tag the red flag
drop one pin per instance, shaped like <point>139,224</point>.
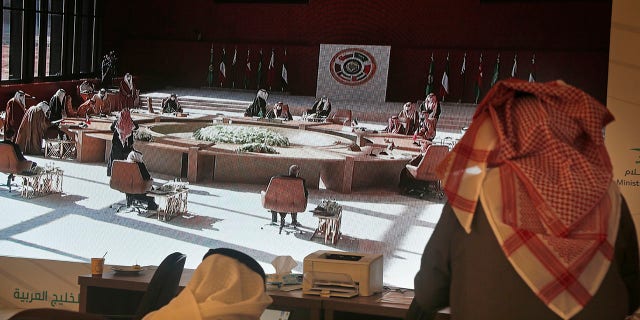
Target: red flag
<point>444,88</point>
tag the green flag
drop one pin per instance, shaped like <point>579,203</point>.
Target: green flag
<point>479,80</point>
<point>210,76</point>
<point>430,88</point>
<point>496,71</point>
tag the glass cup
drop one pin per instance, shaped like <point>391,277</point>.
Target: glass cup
<point>97,267</point>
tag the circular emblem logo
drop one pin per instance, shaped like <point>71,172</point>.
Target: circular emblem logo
<point>353,66</point>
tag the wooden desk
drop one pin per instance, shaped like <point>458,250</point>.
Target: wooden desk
<point>117,294</point>
<point>170,204</point>
<point>300,306</point>
<point>47,182</point>
<point>364,305</point>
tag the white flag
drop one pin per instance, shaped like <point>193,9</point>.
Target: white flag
<point>445,78</point>
<point>532,73</point>
<point>272,62</point>
<point>235,56</point>
<point>284,74</point>
<point>223,69</point>
<point>284,69</point>
<point>445,82</point>
<point>248,61</point>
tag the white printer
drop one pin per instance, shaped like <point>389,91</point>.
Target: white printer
<point>342,274</point>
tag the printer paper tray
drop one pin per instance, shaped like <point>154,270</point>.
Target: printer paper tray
<point>332,293</point>
<point>334,284</point>
<point>334,289</point>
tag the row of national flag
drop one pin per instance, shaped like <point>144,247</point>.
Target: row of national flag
<point>232,74</point>
<point>444,93</point>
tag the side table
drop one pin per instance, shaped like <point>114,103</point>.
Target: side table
<point>329,226</point>
<point>39,184</point>
<point>170,203</point>
<point>60,149</point>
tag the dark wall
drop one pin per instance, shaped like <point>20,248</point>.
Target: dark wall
<point>157,40</point>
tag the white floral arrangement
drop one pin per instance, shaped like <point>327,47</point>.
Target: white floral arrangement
<point>256,147</point>
<point>241,135</point>
<point>142,135</point>
<point>330,206</point>
<point>49,167</point>
<point>38,170</point>
<point>174,186</point>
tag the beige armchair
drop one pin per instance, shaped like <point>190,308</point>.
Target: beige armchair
<point>126,178</point>
<point>425,170</point>
<point>341,116</point>
<point>9,163</point>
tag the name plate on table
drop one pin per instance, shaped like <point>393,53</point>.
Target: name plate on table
<point>269,120</point>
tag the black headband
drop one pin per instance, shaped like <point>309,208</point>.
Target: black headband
<point>243,258</point>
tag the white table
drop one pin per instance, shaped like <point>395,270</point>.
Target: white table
<point>40,184</point>
<point>170,203</point>
<point>329,226</point>
<point>60,149</point>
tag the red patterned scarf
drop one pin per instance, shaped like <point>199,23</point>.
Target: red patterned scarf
<point>535,155</point>
<point>124,126</point>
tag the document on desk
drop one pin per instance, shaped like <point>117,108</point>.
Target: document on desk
<point>396,297</point>
<point>270,314</point>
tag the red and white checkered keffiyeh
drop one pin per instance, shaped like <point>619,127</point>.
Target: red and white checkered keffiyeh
<point>125,126</point>
<point>535,155</point>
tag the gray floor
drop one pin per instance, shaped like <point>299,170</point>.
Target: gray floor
<point>79,223</point>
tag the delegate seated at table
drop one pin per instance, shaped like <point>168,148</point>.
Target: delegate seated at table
<point>394,126</point>
<point>258,108</point>
<point>427,127</point>
<point>19,156</point>
<point>432,106</point>
<point>99,102</point>
<point>16,149</point>
<point>171,104</point>
<point>280,111</point>
<point>86,90</point>
<point>407,181</point>
<point>409,118</point>
<point>321,108</point>
<point>136,156</point>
